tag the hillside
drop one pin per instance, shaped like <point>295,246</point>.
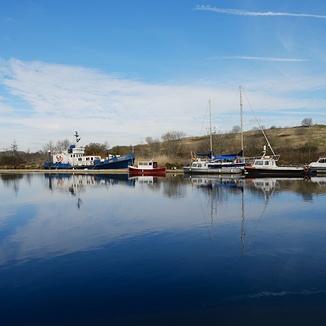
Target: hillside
<point>297,145</point>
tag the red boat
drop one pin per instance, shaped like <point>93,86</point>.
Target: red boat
<point>147,168</point>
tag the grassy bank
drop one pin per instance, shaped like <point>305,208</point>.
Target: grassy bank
<point>296,146</point>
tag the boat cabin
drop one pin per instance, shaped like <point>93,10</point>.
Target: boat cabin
<point>265,162</point>
<point>147,165</point>
<point>322,160</point>
<point>199,164</point>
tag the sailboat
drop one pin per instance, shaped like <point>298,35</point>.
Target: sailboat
<point>220,164</point>
<point>266,165</point>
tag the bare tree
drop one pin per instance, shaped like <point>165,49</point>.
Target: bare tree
<point>173,135</point>
<point>97,149</point>
<point>236,129</point>
<point>306,122</point>
<point>154,145</point>
<point>14,147</point>
<point>59,146</point>
<point>172,141</point>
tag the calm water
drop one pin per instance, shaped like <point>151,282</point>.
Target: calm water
<point>108,250</point>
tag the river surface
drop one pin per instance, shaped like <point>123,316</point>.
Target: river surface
<point>113,250</point>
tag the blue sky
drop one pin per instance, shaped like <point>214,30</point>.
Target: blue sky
<point>121,71</point>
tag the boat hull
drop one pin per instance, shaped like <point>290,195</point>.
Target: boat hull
<point>140,171</point>
<point>207,170</point>
<point>318,167</point>
<point>317,170</point>
<point>116,163</point>
<point>276,172</point>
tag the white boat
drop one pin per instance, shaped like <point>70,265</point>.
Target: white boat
<point>266,166</point>
<point>319,166</point>
<point>220,164</point>
<point>74,158</point>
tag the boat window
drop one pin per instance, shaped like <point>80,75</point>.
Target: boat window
<point>259,163</point>
<point>266,162</point>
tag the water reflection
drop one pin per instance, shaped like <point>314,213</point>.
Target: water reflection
<point>159,245</point>
<point>114,206</point>
<point>78,182</point>
<point>11,181</point>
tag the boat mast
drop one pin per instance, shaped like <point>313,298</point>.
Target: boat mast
<point>210,130</point>
<point>241,120</point>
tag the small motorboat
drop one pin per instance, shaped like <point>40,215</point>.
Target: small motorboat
<point>318,166</point>
<point>147,168</point>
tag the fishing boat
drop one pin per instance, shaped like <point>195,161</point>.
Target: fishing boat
<point>74,158</point>
<point>219,164</point>
<point>266,166</point>
<point>319,166</point>
<point>146,168</point>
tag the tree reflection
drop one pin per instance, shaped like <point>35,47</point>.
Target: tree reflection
<point>11,181</point>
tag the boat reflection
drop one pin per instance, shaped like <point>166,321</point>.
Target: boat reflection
<point>306,187</point>
<point>320,181</point>
<point>266,188</point>
<point>230,199</point>
<point>235,212</point>
<point>76,184</point>
<point>219,190</point>
<point>149,181</point>
<point>231,181</point>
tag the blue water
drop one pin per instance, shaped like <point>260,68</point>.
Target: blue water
<point>108,250</point>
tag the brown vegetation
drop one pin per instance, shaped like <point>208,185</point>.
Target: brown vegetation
<point>297,145</point>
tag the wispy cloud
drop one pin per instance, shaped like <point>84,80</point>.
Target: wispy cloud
<point>41,102</point>
<point>53,99</point>
<point>275,59</point>
<point>238,12</point>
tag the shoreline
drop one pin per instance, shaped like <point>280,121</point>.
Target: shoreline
<point>72,171</point>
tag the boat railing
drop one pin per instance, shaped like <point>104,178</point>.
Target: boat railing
<point>253,158</point>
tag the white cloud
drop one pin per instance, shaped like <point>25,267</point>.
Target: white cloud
<point>238,12</point>
<point>271,59</point>
<point>43,102</point>
<point>60,99</point>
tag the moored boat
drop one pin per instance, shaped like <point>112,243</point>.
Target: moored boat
<point>74,158</point>
<point>319,166</point>
<point>219,164</point>
<point>222,164</point>
<point>147,168</point>
<point>266,166</point>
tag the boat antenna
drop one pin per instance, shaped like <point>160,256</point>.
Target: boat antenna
<point>77,136</point>
<point>261,128</point>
